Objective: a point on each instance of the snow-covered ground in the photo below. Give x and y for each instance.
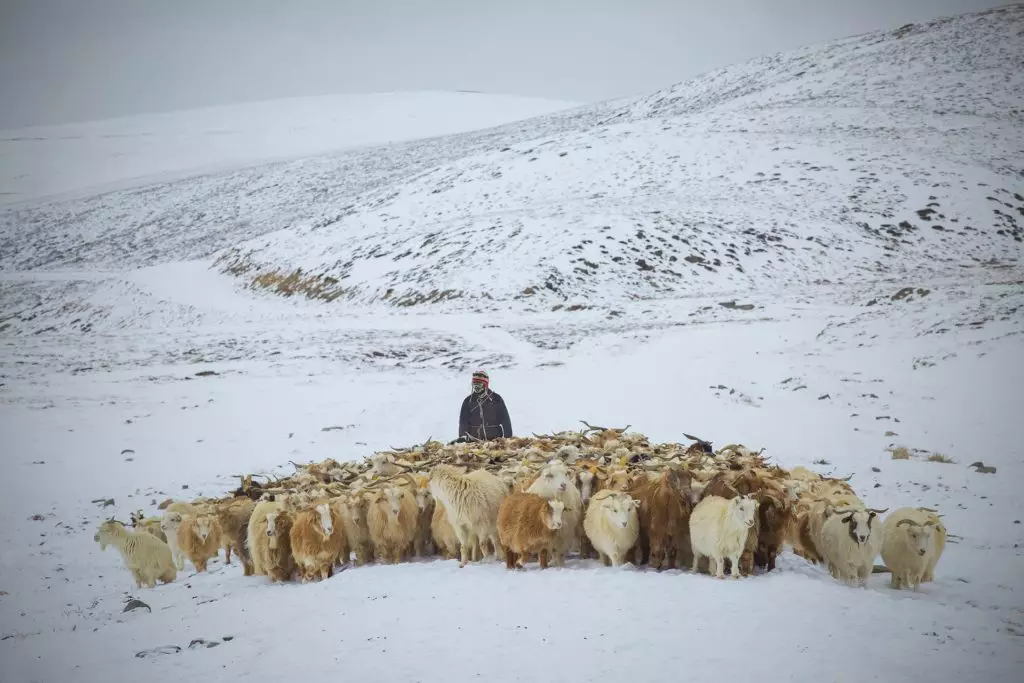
(838, 342)
(83, 158)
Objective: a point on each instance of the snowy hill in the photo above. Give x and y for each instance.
(816, 252)
(86, 158)
(869, 157)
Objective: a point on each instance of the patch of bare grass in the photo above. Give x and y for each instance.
(939, 457)
(900, 453)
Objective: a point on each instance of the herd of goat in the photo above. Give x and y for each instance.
(604, 493)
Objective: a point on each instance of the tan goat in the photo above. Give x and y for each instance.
(528, 524)
(392, 519)
(200, 539)
(357, 530)
(269, 541)
(443, 534)
(317, 540)
(232, 515)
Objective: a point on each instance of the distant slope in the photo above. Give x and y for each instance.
(52, 160)
(864, 158)
(882, 156)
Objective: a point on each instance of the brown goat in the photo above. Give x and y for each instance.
(279, 562)
(774, 512)
(527, 524)
(232, 515)
(664, 516)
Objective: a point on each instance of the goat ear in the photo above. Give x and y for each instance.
(847, 519)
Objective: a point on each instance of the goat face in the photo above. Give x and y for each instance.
(618, 509)
(271, 523)
(555, 477)
(382, 463)
(555, 507)
(203, 528)
(170, 522)
(326, 522)
(619, 480)
(586, 478)
(356, 505)
(423, 498)
(744, 510)
(920, 537)
(859, 525)
(696, 490)
(390, 499)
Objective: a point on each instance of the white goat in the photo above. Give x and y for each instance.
(555, 482)
(383, 465)
(718, 530)
(146, 556)
(169, 525)
(471, 502)
(912, 542)
(850, 542)
(612, 525)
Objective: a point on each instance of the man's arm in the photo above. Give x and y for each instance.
(503, 419)
(464, 419)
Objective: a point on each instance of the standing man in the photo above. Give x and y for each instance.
(483, 415)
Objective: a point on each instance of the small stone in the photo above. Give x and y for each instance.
(162, 650)
(875, 469)
(200, 642)
(134, 604)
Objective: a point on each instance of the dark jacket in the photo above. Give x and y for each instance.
(484, 416)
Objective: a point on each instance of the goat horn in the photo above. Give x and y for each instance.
(906, 521)
(877, 511)
(848, 479)
(927, 509)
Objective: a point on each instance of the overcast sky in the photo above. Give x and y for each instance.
(72, 60)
